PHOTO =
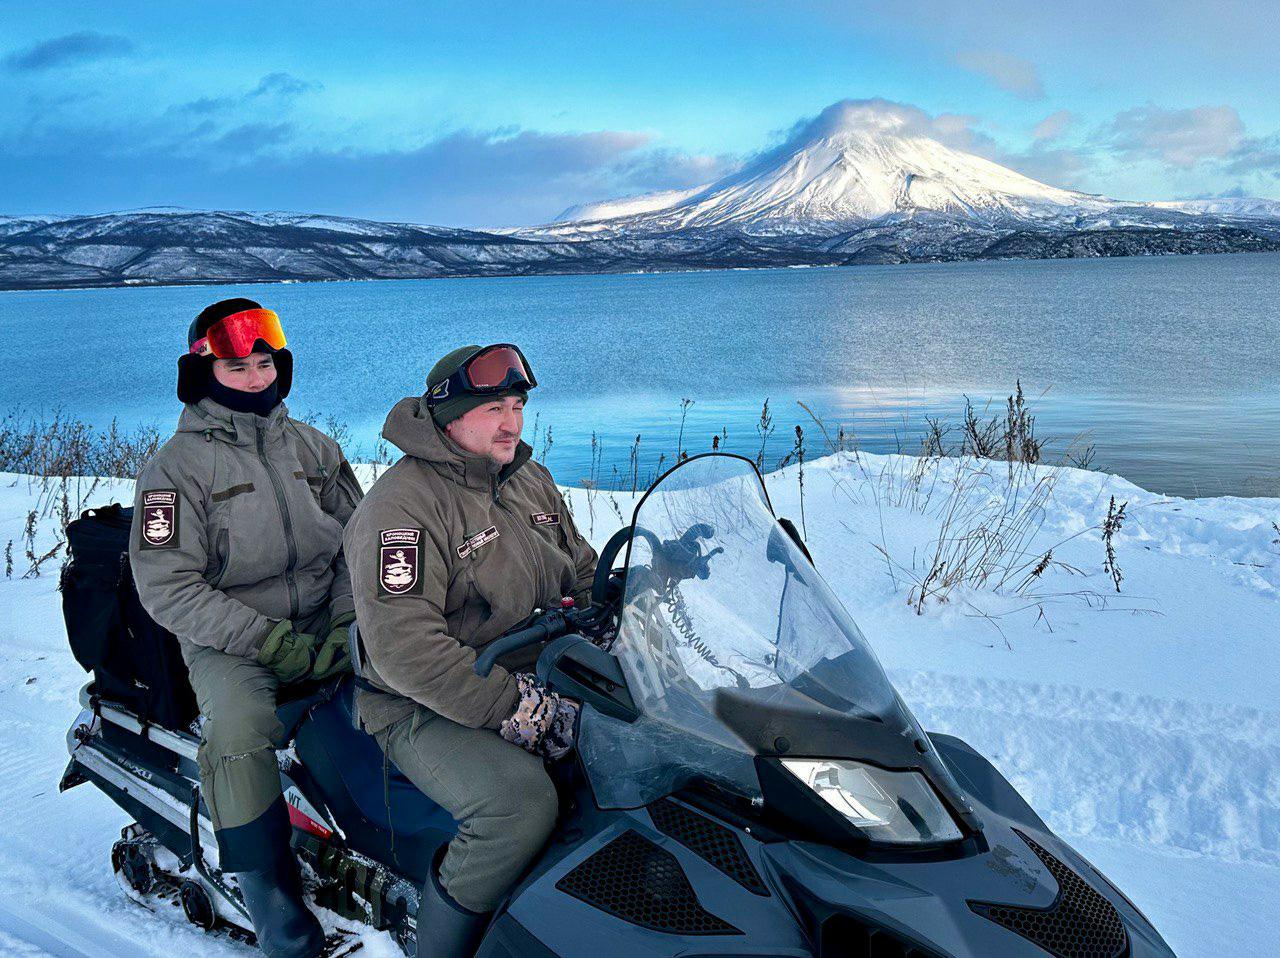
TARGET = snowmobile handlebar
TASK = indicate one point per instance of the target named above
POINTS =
(681, 558)
(549, 625)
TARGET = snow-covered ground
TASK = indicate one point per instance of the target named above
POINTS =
(1144, 726)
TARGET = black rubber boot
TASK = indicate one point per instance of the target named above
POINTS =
(284, 925)
(259, 856)
(445, 928)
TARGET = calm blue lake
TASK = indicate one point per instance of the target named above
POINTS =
(1169, 366)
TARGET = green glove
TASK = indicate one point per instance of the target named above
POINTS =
(287, 653)
(333, 655)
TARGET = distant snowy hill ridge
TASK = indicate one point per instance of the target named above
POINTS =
(863, 182)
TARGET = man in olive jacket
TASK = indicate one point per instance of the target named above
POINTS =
(236, 549)
(455, 544)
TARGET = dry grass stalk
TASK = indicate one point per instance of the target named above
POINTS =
(1110, 526)
(63, 447)
(764, 429)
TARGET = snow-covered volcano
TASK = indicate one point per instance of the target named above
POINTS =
(853, 164)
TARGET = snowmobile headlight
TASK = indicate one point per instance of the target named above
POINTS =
(899, 808)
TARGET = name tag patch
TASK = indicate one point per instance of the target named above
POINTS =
(476, 541)
(399, 561)
(160, 519)
(545, 518)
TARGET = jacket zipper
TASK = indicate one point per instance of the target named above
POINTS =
(223, 543)
(287, 521)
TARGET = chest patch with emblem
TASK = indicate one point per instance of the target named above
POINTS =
(160, 519)
(399, 561)
(476, 541)
(545, 518)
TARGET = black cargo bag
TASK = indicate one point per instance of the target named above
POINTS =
(133, 660)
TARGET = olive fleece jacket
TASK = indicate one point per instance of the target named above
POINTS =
(238, 524)
(447, 552)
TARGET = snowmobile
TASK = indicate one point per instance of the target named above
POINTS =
(747, 781)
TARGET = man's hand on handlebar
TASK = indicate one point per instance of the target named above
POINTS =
(543, 722)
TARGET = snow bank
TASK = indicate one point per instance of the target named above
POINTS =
(1142, 724)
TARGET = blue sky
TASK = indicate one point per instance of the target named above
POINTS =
(486, 114)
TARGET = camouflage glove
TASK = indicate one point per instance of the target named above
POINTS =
(333, 654)
(558, 741)
(543, 722)
(287, 653)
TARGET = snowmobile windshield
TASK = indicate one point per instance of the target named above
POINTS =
(727, 633)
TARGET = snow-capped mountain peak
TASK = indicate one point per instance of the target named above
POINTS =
(855, 162)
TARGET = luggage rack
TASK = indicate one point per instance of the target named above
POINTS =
(181, 743)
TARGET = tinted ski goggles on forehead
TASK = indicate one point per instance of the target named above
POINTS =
(233, 337)
(493, 369)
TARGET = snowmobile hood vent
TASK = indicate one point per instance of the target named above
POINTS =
(633, 879)
(1080, 923)
(714, 843)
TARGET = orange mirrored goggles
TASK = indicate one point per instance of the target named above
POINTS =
(491, 370)
(234, 336)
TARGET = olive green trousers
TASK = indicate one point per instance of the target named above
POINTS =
(500, 795)
(239, 777)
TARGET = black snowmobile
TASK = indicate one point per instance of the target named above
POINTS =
(747, 781)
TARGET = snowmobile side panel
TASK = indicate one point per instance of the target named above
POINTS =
(164, 792)
(646, 894)
(170, 836)
(507, 938)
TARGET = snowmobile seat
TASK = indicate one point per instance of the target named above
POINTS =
(348, 768)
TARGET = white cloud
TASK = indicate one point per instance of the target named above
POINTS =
(1179, 138)
(1053, 126)
(1005, 70)
(877, 115)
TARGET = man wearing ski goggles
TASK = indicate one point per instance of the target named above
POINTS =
(457, 543)
(236, 549)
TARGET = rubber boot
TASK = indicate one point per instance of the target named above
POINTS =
(283, 924)
(259, 856)
(445, 928)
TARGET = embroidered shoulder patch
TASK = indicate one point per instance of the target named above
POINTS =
(545, 518)
(400, 562)
(159, 519)
(476, 541)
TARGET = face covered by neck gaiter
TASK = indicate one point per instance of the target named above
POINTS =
(259, 403)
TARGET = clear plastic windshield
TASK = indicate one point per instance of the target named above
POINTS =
(720, 601)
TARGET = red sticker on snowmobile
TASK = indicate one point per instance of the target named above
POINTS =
(159, 519)
(476, 541)
(399, 560)
(545, 518)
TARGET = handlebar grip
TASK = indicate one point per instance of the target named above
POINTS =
(539, 631)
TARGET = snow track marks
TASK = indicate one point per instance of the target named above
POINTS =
(1105, 764)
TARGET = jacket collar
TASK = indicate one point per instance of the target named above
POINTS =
(237, 428)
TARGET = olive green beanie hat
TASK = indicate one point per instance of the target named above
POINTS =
(449, 410)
